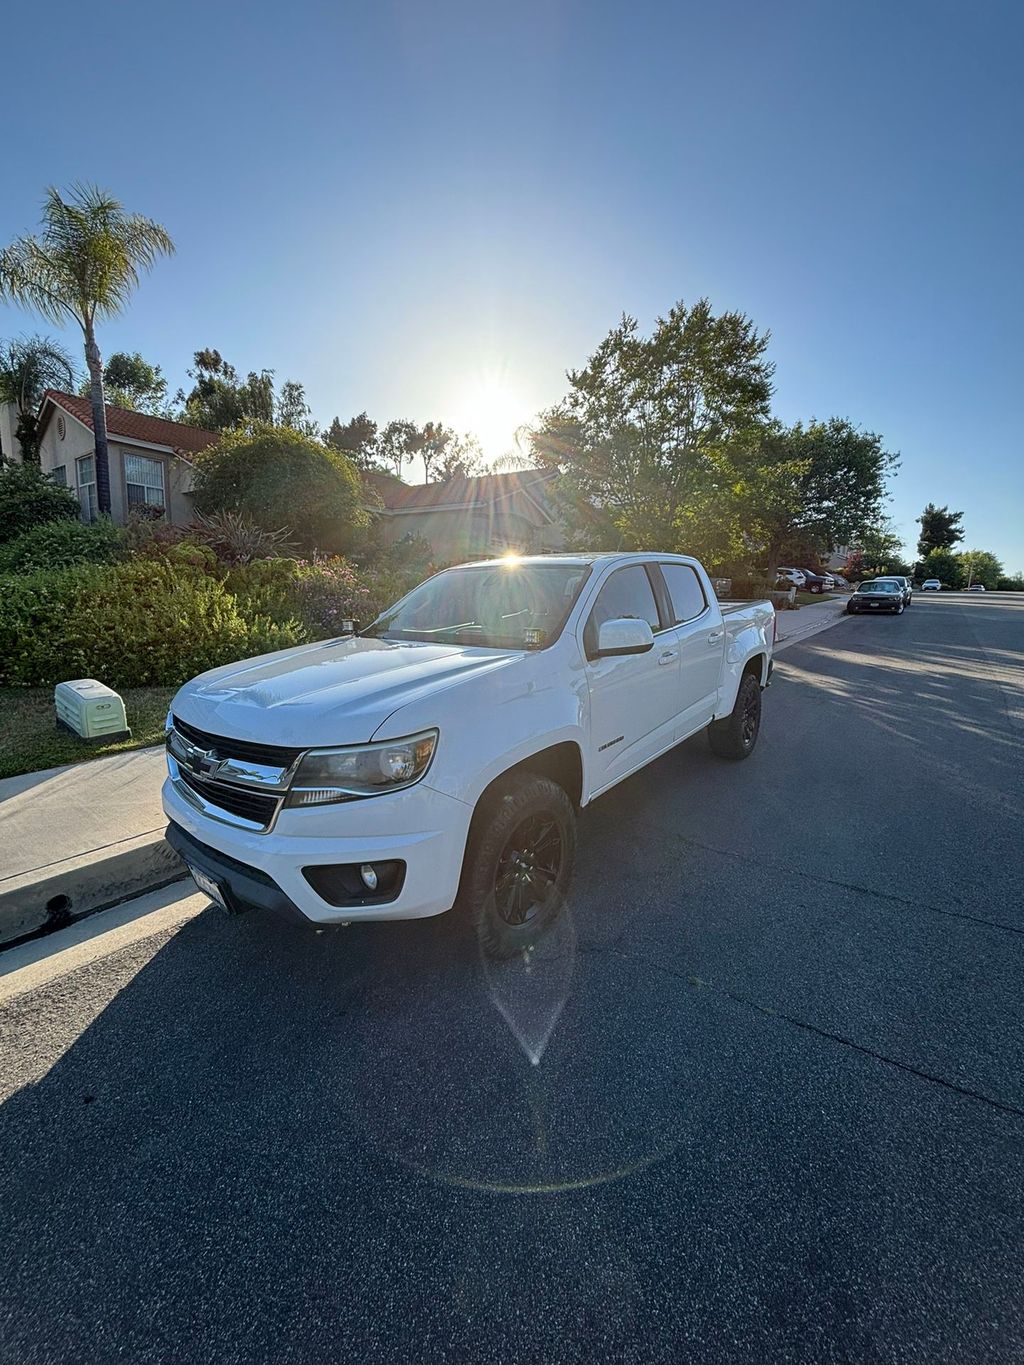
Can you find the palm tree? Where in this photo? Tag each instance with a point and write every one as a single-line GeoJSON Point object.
{"type": "Point", "coordinates": [28, 367]}
{"type": "Point", "coordinates": [84, 265]}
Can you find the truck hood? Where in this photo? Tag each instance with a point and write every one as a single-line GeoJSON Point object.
{"type": "Point", "coordinates": [334, 692]}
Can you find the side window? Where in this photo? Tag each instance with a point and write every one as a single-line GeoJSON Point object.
{"type": "Point", "coordinates": [685, 592]}
{"type": "Point", "coordinates": [627, 593]}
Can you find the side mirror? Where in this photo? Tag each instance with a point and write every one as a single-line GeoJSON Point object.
{"type": "Point", "coordinates": [624, 635]}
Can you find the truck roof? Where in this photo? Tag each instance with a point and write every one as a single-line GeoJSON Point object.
{"type": "Point", "coordinates": [603, 556]}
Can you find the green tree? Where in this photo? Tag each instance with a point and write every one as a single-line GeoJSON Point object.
{"type": "Point", "coordinates": [435, 440]}
{"type": "Point", "coordinates": [219, 400]}
{"type": "Point", "coordinates": [293, 411]}
{"type": "Point", "coordinates": [637, 440]}
{"type": "Point", "coordinates": [980, 566]}
{"type": "Point", "coordinates": [815, 486]}
{"type": "Point", "coordinates": [461, 458]}
{"type": "Point", "coordinates": [357, 438]}
{"type": "Point", "coordinates": [131, 382]}
{"type": "Point", "coordinates": [397, 444]}
{"type": "Point", "coordinates": [940, 530]}
{"type": "Point", "coordinates": [29, 498]}
{"type": "Point", "coordinates": [283, 480]}
{"type": "Point", "coordinates": [943, 565]}
{"type": "Point", "coordinates": [28, 367]}
{"type": "Point", "coordinates": [84, 265]}
{"type": "Point", "coordinates": [881, 549]}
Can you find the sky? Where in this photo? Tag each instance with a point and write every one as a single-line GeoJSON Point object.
{"type": "Point", "coordinates": [433, 209]}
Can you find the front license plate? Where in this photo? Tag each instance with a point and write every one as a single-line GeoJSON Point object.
{"type": "Point", "coordinates": [208, 887]}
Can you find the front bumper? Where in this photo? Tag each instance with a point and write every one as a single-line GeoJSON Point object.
{"type": "Point", "coordinates": [420, 827]}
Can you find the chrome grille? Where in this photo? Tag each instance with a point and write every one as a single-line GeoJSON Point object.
{"type": "Point", "coordinates": [229, 780]}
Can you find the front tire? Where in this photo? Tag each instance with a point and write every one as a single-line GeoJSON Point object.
{"type": "Point", "coordinates": [736, 736]}
{"type": "Point", "coordinates": [519, 863]}
{"type": "Point", "coordinates": [899, 610]}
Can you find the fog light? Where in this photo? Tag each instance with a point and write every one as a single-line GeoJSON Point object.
{"type": "Point", "coordinates": [369, 876]}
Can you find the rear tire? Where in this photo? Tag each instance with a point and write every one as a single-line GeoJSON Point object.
{"type": "Point", "coordinates": [736, 736]}
{"type": "Point", "coordinates": [519, 863]}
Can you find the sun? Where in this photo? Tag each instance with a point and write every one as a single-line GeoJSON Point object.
{"type": "Point", "coordinates": [492, 409]}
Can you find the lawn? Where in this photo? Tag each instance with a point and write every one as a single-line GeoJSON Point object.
{"type": "Point", "coordinates": [808, 599]}
{"type": "Point", "coordinates": [30, 740]}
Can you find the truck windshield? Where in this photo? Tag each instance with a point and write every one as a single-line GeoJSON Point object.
{"type": "Point", "coordinates": [505, 605]}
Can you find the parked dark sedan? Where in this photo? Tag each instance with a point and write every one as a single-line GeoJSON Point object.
{"type": "Point", "coordinates": [878, 594]}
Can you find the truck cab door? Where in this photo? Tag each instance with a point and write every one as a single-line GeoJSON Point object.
{"type": "Point", "coordinates": [634, 698]}
{"type": "Point", "coordinates": [699, 632]}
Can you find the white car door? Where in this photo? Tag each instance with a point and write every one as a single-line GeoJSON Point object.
{"type": "Point", "coordinates": [700, 639]}
{"type": "Point", "coordinates": [634, 698]}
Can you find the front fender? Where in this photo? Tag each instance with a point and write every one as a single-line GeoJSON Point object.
{"type": "Point", "coordinates": [490, 724]}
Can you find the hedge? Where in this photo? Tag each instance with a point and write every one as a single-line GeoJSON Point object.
{"type": "Point", "coordinates": [59, 544]}
{"type": "Point", "coordinates": [138, 624]}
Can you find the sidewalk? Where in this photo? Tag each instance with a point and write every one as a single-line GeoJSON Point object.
{"type": "Point", "coordinates": [76, 838]}
{"type": "Point", "coordinates": [795, 626]}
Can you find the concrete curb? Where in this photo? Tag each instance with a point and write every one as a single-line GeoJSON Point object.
{"type": "Point", "coordinates": [36, 902]}
{"type": "Point", "coordinates": [801, 631]}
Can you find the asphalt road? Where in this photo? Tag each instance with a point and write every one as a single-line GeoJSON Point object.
{"type": "Point", "coordinates": [763, 1100]}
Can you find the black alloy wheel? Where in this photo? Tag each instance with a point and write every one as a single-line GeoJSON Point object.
{"type": "Point", "coordinates": [528, 870]}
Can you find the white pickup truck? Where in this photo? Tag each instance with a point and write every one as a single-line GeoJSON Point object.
{"type": "Point", "coordinates": [439, 757]}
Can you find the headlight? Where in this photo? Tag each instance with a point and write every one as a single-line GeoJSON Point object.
{"type": "Point", "coordinates": [328, 775]}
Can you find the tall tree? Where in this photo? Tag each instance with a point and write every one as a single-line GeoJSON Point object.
{"type": "Point", "coordinates": [219, 400]}
{"type": "Point", "coordinates": [398, 443]}
{"type": "Point", "coordinates": [462, 458]}
{"type": "Point", "coordinates": [822, 483]}
{"type": "Point", "coordinates": [940, 529]}
{"type": "Point", "coordinates": [435, 440]}
{"type": "Point", "coordinates": [357, 438]}
{"type": "Point", "coordinates": [293, 410]}
{"type": "Point", "coordinates": [943, 565]}
{"type": "Point", "coordinates": [981, 566]}
{"type": "Point", "coordinates": [131, 382]}
{"type": "Point", "coordinates": [28, 367]}
{"type": "Point", "coordinates": [636, 439]}
{"type": "Point", "coordinates": [84, 265]}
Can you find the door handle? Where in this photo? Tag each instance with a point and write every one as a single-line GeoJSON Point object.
{"type": "Point", "coordinates": [667, 656]}
{"type": "Point", "coordinates": [714, 637]}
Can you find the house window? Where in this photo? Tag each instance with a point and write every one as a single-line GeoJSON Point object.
{"type": "Point", "coordinates": [85, 473]}
{"type": "Point", "coordinates": [144, 480]}
{"type": "Point", "coordinates": [60, 475]}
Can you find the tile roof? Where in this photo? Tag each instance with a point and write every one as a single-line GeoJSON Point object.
{"type": "Point", "coordinates": [457, 492]}
{"type": "Point", "coordinates": [137, 426]}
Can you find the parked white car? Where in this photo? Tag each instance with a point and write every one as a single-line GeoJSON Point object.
{"type": "Point", "coordinates": [441, 755]}
{"type": "Point", "coordinates": [796, 577]}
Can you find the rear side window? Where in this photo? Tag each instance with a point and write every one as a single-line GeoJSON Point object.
{"type": "Point", "coordinates": [627, 593]}
{"type": "Point", "coordinates": [685, 592]}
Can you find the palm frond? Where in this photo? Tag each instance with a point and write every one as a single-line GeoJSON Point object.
{"type": "Point", "coordinates": [87, 260]}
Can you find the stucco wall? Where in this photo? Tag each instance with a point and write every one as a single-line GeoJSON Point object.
{"type": "Point", "coordinates": [78, 441]}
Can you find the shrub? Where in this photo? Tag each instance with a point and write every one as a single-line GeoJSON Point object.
{"type": "Point", "coordinates": [318, 595]}
{"type": "Point", "coordinates": [235, 539]}
{"type": "Point", "coordinates": [29, 498]}
{"type": "Point", "coordinates": [137, 624]}
{"type": "Point", "coordinates": [750, 589]}
{"type": "Point", "coordinates": [58, 544]}
{"type": "Point", "coordinates": [277, 477]}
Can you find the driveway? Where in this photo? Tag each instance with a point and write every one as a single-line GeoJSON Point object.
{"type": "Point", "coordinates": [762, 1100]}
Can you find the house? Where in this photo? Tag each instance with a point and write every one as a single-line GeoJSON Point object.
{"type": "Point", "coordinates": [150, 457]}
{"type": "Point", "coordinates": [464, 517]}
